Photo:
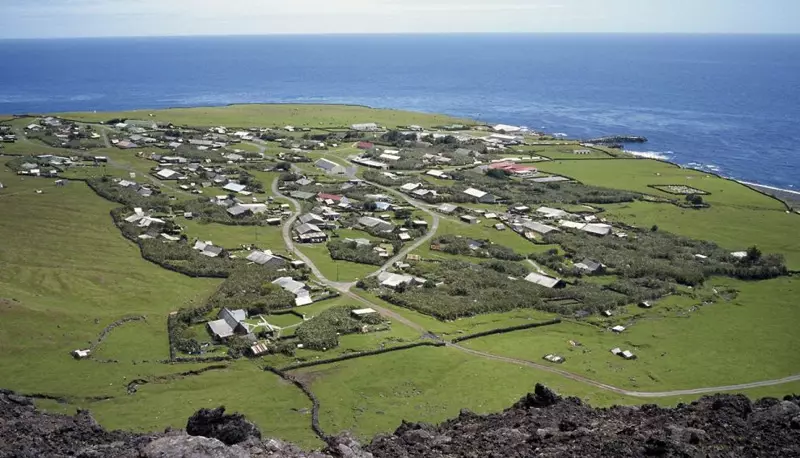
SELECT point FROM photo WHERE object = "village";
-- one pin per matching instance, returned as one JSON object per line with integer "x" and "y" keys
{"x": 321, "y": 237}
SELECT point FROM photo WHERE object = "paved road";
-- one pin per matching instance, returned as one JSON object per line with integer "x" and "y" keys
{"x": 344, "y": 288}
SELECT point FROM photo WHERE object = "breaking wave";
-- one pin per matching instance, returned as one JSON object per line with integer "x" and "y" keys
{"x": 663, "y": 155}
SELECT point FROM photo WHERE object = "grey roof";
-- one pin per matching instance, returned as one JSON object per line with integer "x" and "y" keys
{"x": 542, "y": 280}
{"x": 304, "y": 182}
{"x": 588, "y": 264}
{"x": 325, "y": 164}
{"x": 538, "y": 227}
{"x": 371, "y": 222}
{"x": 306, "y": 228}
{"x": 302, "y": 195}
{"x": 310, "y": 218}
{"x": 263, "y": 258}
{"x": 447, "y": 208}
{"x": 289, "y": 284}
{"x": 220, "y": 328}
{"x": 237, "y": 210}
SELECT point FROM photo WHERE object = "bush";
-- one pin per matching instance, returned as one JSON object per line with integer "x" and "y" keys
{"x": 322, "y": 332}
{"x": 349, "y": 251}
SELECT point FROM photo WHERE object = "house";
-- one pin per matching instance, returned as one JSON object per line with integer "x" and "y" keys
{"x": 539, "y": 228}
{"x": 332, "y": 198}
{"x": 618, "y": 329}
{"x": 419, "y": 223}
{"x": 302, "y": 296}
{"x": 500, "y": 226}
{"x": 369, "y": 163}
{"x": 437, "y": 174}
{"x": 394, "y": 281}
{"x": 550, "y": 179}
{"x": 606, "y": 313}
{"x": 375, "y": 224}
{"x": 244, "y": 209}
{"x": 404, "y": 236}
{"x": 126, "y": 144}
{"x": 552, "y": 213}
{"x": 480, "y": 196}
{"x": 597, "y": 229}
{"x": 545, "y": 280}
{"x": 360, "y": 313}
{"x": 304, "y": 182}
{"x": 446, "y": 208}
{"x": 389, "y": 157}
{"x": 302, "y": 195}
{"x": 365, "y": 145}
{"x": 312, "y": 218}
{"x": 522, "y": 171}
{"x": 469, "y": 219}
{"x": 589, "y": 266}
{"x": 739, "y": 254}
{"x": 581, "y": 151}
{"x": 424, "y": 192}
{"x": 409, "y": 187}
{"x": 207, "y": 249}
{"x": 645, "y": 305}
{"x": 616, "y": 351}
{"x": 330, "y": 167}
{"x": 234, "y": 187}
{"x": 230, "y": 323}
{"x": 310, "y": 233}
{"x": 167, "y": 174}
{"x": 365, "y": 127}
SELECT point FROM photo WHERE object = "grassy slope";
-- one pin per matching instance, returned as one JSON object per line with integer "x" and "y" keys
{"x": 335, "y": 270}
{"x": 66, "y": 274}
{"x": 738, "y": 217}
{"x": 726, "y": 343}
{"x": 317, "y": 116}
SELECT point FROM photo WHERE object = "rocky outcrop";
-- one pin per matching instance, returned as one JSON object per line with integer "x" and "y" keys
{"x": 541, "y": 424}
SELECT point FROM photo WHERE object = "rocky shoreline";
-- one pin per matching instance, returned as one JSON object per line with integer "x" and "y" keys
{"x": 541, "y": 424}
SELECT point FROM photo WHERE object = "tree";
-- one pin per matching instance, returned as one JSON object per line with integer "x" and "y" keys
{"x": 694, "y": 199}
{"x": 753, "y": 254}
{"x": 497, "y": 174}
{"x": 402, "y": 213}
{"x": 283, "y": 166}
{"x": 654, "y": 228}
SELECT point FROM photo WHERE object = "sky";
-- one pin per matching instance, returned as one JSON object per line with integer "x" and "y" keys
{"x": 104, "y": 18}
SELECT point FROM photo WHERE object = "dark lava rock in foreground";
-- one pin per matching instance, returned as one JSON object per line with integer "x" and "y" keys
{"x": 541, "y": 424}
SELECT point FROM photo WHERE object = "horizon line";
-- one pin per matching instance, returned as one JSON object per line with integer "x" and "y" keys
{"x": 344, "y": 34}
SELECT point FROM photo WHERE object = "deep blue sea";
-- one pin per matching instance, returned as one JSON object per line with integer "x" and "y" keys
{"x": 727, "y": 103}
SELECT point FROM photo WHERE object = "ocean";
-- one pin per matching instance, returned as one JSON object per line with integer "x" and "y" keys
{"x": 724, "y": 103}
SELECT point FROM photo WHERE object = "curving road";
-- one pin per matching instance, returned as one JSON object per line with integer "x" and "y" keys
{"x": 344, "y": 288}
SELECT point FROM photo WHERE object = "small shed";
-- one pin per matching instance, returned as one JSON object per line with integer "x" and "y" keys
{"x": 359, "y": 313}
{"x": 618, "y": 328}
{"x": 81, "y": 354}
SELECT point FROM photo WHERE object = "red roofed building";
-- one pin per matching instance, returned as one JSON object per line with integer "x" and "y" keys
{"x": 514, "y": 169}
{"x": 365, "y": 145}
{"x": 322, "y": 196}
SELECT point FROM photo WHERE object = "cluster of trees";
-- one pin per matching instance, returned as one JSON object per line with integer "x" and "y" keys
{"x": 205, "y": 210}
{"x": 322, "y": 332}
{"x": 664, "y": 256}
{"x": 105, "y": 187}
{"x": 349, "y": 251}
{"x": 180, "y": 257}
{"x": 250, "y": 287}
{"x": 468, "y": 289}
{"x": 453, "y": 244}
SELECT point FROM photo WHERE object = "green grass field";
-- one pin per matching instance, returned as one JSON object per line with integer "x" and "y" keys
{"x": 314, "y": 116}
{"x": 725, "y": 343}
{"x": 341, "y": 271}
